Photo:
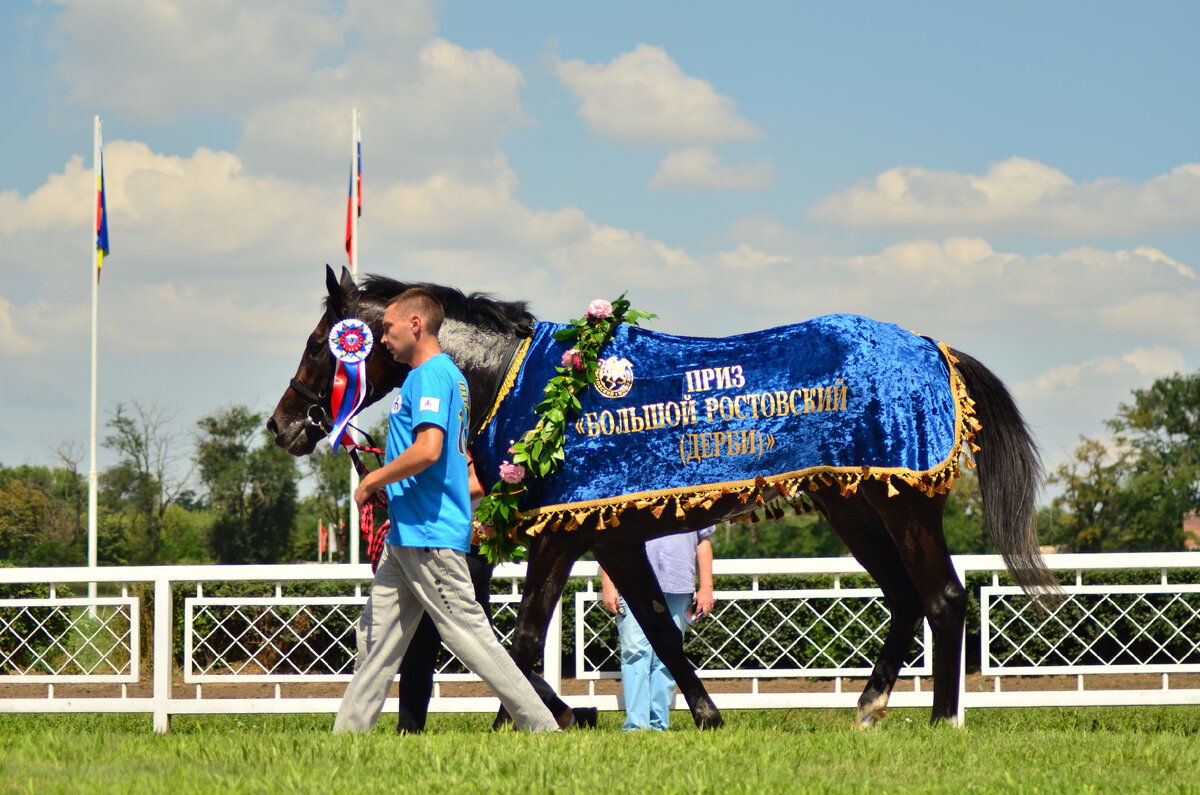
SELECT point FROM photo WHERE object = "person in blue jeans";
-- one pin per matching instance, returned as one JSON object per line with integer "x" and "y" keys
{"x": 647, "y": 685}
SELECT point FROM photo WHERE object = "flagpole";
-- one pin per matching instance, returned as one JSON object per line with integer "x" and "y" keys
{"x": 354, "y": 204}
{"x": 93, "y": 477}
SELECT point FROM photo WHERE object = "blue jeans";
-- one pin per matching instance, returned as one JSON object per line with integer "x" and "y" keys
{"x": 647, "y": 685}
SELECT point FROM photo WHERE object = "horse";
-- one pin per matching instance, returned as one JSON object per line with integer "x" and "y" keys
{"x": 893, "y": 530}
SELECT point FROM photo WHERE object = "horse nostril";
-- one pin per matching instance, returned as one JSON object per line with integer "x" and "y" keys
{"x": 272, "y": 427}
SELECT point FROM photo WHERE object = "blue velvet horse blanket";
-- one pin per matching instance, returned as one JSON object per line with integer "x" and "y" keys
{"x": 683, "y": 420}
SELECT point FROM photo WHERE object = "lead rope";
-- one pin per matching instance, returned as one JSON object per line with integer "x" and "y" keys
{"x": 376, "y": 536}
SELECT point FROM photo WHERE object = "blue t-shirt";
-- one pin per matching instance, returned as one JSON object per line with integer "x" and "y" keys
{"x": 433, "y": 507}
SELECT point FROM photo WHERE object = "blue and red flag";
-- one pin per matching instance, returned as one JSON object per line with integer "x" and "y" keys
{"x": 101, "y": 219}
{"x": 355, "y": 174}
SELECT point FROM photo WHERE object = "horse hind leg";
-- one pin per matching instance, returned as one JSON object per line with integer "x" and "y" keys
{"x": 864, "y": 534}
{"x": 914, "y": 522}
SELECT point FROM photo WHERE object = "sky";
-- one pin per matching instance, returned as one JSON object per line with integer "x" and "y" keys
{"x": 1019, "y": 180}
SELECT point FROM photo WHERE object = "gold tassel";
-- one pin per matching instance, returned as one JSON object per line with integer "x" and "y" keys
{"x": 679, "y": 512}
{"x": 892, "y": 491}
{"x": 657, "y": 510}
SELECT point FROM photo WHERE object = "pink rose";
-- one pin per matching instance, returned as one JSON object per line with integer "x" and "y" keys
{"x": 571, "y": 358}
{"x": 486, "y": 531}
{"x": 599, "y": 308}
{"x": 511, "y": 473}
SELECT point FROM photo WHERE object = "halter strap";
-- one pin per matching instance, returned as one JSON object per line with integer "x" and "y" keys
{"x": 499, "y": 392}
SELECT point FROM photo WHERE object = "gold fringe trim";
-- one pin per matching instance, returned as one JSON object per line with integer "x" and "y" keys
{"x": 510, "y": 380}
{"x": 767, "y": 491}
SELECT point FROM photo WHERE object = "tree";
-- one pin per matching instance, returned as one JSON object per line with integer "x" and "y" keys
{"x": 1133, "y": 493}
{"x": 40, "y": 518}
{"x": 145, "y": 482}
{"x": 962, "y": 521}
{"x": 251, "y": 488}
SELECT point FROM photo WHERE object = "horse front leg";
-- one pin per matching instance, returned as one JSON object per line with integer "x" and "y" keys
{"x": 551, "y": 556}
{"x": 626, "y": 564}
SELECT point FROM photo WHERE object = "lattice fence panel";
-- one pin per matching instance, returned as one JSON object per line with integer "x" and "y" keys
{"x": 69, "y": 639}
{"x": 249, "y": 639}
{"x": 755, "y": 633}
{"x": 1095, "y": 629}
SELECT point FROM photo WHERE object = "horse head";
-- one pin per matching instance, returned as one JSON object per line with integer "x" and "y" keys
{"x": 303, "y": 415}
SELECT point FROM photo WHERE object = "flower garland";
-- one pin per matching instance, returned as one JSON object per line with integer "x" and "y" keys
{"x": 539, "y": 451}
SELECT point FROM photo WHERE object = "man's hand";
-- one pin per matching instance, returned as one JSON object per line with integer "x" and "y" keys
{"x": 609, "y": 595}
{"x": 425, "y": 450}
{"x": 364, "y": 492}
{"x": 704, "y": 602}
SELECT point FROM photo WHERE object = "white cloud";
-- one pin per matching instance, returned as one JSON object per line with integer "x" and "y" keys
{"x": 447, "y": 113}
{"x": 1075, "y": 399}
{"x": 1016, "y": 196}
{"x": 746, "y": 257}
{"x": 699, "y": 168}
{"x": 288, "y": 73}
{"x": 156, "y": 60}
{"x": 963, "y": 288}
{"x": 643, "y": 97}
{"x": 15, "y": 336}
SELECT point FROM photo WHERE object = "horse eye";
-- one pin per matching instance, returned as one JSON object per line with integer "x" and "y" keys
{"x": 314, "y": 348}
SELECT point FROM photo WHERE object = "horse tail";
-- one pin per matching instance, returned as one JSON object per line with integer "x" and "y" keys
{"x": 1010, "y": 471}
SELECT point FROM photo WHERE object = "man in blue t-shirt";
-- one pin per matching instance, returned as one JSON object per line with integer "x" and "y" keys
{"x": 425, "y": 571}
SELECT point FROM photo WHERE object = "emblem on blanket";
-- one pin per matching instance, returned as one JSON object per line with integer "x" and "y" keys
{"x": 614, "y": 379}
{"x": 836, "y": 399}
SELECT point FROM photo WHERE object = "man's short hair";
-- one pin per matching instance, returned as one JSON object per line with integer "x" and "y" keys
{"x": 421, "y": 302}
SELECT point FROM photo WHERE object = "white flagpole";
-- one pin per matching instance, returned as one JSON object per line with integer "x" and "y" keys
{"x": 93, "y": 477}
{"x": 355, "y": 530}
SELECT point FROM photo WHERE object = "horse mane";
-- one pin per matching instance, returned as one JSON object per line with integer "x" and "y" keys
{"x": 479, "y": 309}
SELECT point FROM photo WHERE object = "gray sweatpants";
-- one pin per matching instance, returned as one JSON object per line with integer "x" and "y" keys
{"x": 409, "y": 582}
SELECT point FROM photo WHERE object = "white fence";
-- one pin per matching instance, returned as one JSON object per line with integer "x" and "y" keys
{"x": 785, "y": 633}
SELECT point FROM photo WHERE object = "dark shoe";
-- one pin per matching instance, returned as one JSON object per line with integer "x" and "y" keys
{"x": 585, "y": 717}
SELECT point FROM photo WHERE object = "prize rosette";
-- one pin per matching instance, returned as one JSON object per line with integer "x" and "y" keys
{"x": 350, "y": 341}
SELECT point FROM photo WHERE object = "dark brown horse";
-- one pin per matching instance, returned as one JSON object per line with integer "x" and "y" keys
{"x": 898, "y": 539}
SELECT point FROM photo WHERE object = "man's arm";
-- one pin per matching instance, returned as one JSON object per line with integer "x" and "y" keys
{"x": 608, "y": 593}
{"x": 704, "y": 596}
{"x": 423, "y": 453}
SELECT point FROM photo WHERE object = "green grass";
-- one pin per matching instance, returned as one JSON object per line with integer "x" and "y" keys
{"x": 1132, "y": 749}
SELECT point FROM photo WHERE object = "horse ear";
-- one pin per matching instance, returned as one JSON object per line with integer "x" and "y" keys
{"x": 348, "y": 285}
{"x": 331, "y": 283}
{"x": 337, "y": 296}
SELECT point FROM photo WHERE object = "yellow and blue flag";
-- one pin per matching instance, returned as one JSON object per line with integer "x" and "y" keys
{"x": 101, "y": 220}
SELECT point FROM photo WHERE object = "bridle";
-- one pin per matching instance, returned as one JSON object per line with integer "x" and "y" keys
{"x": 316, "y": 415}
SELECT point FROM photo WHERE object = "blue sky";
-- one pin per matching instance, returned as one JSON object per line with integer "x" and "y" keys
{"x": 1020, "y": 180}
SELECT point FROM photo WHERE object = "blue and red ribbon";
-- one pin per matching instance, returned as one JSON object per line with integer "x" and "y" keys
{"x": 351, "y": 342}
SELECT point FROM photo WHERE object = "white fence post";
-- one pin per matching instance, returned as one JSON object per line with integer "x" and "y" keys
{"x": 162, "y": 655}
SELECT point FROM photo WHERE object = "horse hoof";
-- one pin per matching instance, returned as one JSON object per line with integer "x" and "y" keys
{"x": 952, "y": 722}
{"x": 709, "y": 720}
{"x": 871, "y": 713}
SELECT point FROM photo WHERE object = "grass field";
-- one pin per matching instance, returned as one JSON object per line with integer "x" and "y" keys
{"x": 1131, "y": 749}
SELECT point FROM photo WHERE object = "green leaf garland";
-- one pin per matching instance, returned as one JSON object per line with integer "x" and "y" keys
{"x": 539, "y": 451}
